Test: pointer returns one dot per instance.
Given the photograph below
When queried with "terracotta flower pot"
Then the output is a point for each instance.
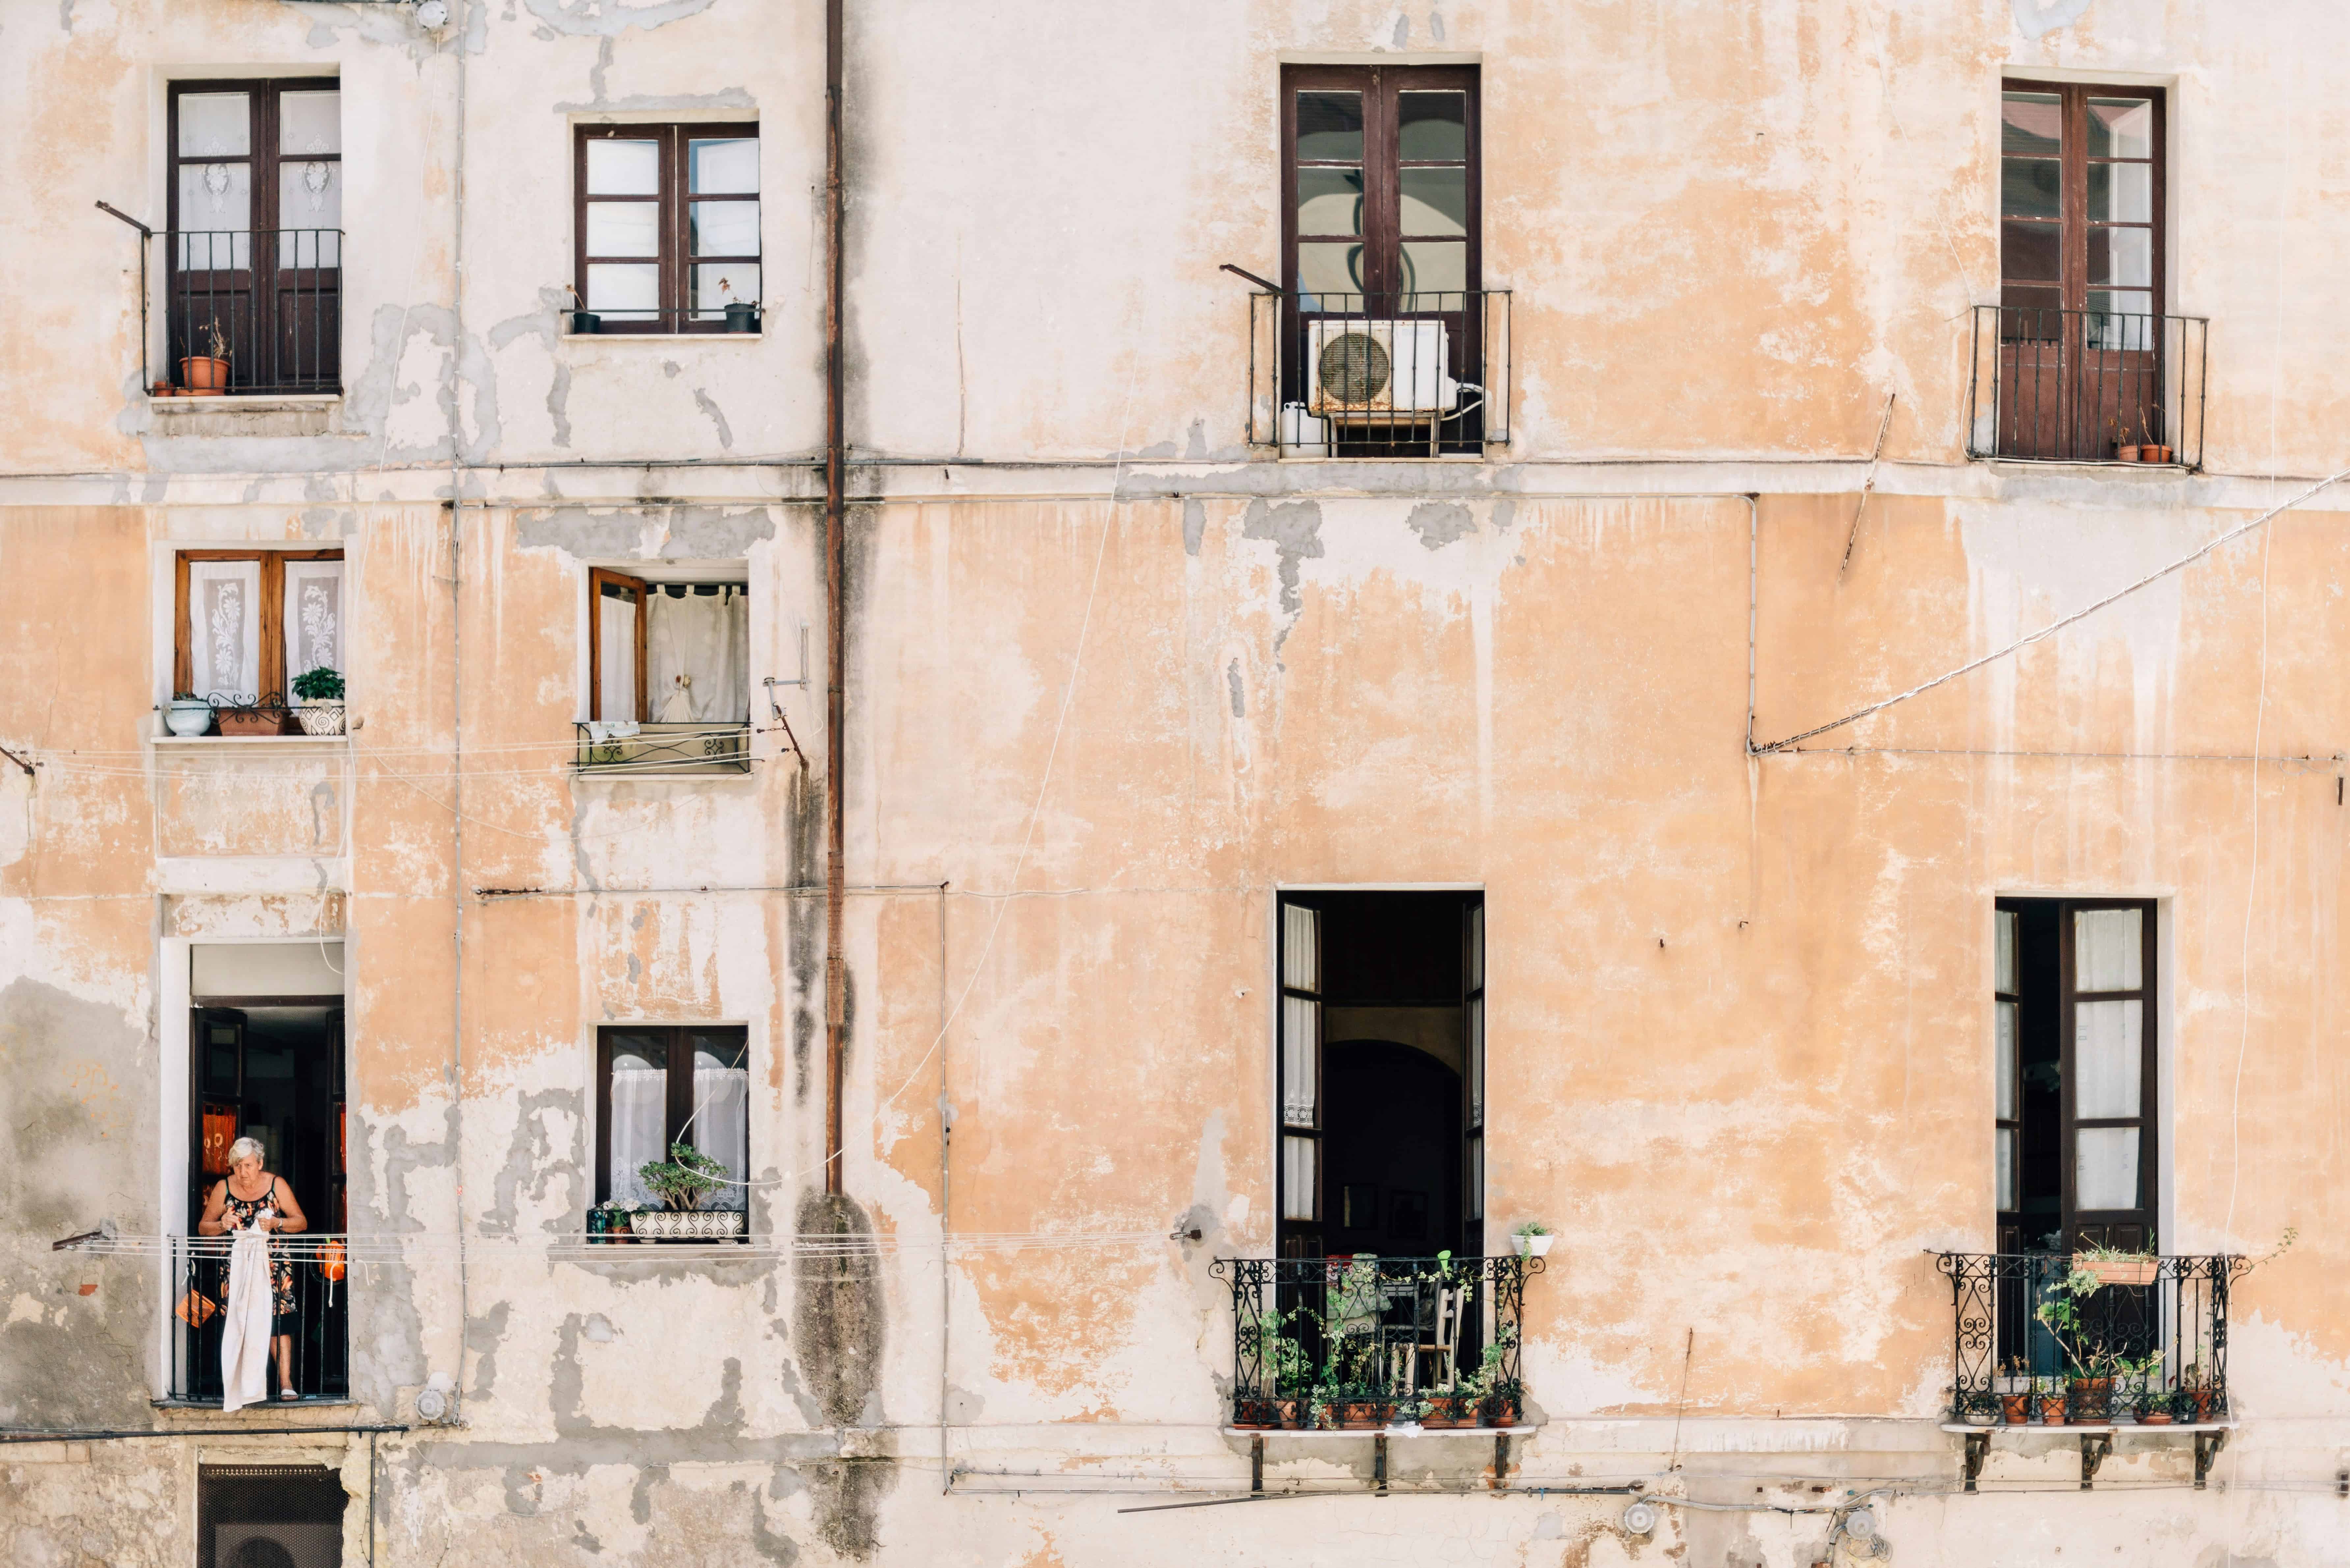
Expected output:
(2131, 1270)
(251, 721)
(2126, 453)
(202, 373)
(2154, 454)
(2052, 1409)
(2015, 1409)
(2155, 1418)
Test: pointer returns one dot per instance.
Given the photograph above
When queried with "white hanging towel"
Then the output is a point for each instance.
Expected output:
(244, 1324)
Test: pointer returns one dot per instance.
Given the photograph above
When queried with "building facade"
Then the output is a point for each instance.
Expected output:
(1711, 628)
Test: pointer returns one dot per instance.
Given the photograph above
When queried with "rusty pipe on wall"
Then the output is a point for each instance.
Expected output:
(835, 528)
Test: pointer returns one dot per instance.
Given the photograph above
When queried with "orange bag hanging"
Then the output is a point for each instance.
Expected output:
(196, 1308)
(334, 1262)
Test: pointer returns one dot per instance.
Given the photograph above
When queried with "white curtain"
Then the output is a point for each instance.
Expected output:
(616, 627)
(314, 617)
(721, 1125)
(224, 629)
(697, 652)
(639, 1126)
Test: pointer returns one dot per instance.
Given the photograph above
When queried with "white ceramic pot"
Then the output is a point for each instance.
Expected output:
(188, 718)
(693, 1225)
(320, 718)
(1532, 1246)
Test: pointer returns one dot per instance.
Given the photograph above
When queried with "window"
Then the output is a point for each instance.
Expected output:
(667, 227)
(248, 621)
(2074, 1118)
(660, 1087)
(255, 252)
(669, 653)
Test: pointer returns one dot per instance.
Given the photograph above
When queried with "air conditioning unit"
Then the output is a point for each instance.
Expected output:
(277, 1545)
(1360, 370)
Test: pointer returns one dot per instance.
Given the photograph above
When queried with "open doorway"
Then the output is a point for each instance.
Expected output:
(1382, 1074)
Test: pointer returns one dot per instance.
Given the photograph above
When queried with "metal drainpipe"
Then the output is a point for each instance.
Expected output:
(835, 522)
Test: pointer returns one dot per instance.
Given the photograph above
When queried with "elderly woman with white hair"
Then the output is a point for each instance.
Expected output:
(249, 1197)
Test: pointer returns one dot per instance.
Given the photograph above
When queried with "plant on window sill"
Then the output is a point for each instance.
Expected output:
(682, 1180)
(321, 691)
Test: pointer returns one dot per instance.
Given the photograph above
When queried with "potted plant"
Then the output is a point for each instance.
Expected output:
(2140, 1392)
(2050, 1400)
(583, 320)
(1532, 1239)
(2016, 1399)
(682, 1180)
(206, 374)
(186, 715)
(2154, 454)
(2202, 1394)
(321, 691)
(741, 315)
(2111, 1266)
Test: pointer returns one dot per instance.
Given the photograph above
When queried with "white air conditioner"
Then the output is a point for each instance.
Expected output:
(276, 1546)
(1377, 370)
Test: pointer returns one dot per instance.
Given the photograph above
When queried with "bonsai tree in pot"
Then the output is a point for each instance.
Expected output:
(683, 1179)
(321, 691)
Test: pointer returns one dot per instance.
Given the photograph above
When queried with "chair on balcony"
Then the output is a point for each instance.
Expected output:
(1435, 1337)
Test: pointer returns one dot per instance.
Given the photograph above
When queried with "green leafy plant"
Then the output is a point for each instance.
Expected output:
(684, 1179)
(1531, 1228)
(323, 684)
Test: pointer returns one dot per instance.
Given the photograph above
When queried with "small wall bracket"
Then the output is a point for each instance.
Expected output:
(1256, 1466)
(1978, 1451)
(1500, 1460)
(803, 681)
(1379, 1464)
(2097, 1447)
(2207, 1449)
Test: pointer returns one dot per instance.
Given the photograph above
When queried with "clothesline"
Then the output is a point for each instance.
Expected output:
(426, 1246)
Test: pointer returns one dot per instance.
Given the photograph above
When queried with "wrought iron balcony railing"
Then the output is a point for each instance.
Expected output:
(196, 1273)
(1423, 373)
(1368, 1343)
(251, 312)
(608, 747)
(2085, 386)
(735, 317)
(2058, 1339)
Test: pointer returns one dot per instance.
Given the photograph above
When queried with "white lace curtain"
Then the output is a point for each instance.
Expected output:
(697, 653)
(640, 1128)
(314, 617)
(721, 1125)
(224, 629)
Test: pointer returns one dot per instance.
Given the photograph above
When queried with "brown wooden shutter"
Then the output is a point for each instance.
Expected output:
(2105, 951)
(1299, 1177)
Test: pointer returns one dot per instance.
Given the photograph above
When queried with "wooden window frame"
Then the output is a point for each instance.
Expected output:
(2072, 222)
(1382, 165)
(598, 578)
(1303, 1237)
(679, 1089)
(672, 227)
(271, 632)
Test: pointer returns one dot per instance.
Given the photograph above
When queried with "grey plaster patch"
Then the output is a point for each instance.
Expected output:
(1295, 530)
(709, 405)
(328, 521)
(670, 368)
(839, 1310)
(599, 1330)
(726, 1412)
(523, 1490)
(322, 36)
(580, 532)
(609, 18)
(1240, 696)
(716, 534)
(1435, 25)
(584, 1541)
(1439, 523)
(767, 1541)
(533, 1160)
(1505, 511)
(558, 402)
(1195, 525)
(1196, 449)
(1403, 33)
(2038, 18)
(65, 16)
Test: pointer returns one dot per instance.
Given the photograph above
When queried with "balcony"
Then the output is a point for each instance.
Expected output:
(623, 746)
(1366, 1343)
(1416, 375)
(196, 1273)
(2089, 1344)
(2085, 386)
(251, 313)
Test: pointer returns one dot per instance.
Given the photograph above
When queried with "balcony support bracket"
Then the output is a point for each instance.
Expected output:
(1500, 1460)
(1256, 1466)
(1379, 1464)
(2206, 1450)
(2095, 1449)
(1978, 1451)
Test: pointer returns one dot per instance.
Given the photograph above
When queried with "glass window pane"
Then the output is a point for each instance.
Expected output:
(2027, 188)
(2109, 946)
(1432, 125)
(1474, 1179)
(1329, 200)
(639, 1102)
(717, 285)
(1330, 127)
(624, 228)
(2005, 981)
(720, 1126)
(2006, 1069)
(215, 124)
(2121, 128)
(2030, 123)
(2119, 320)
(623, 289)
(1301, 933)
(1473, 1077)
(2108, 1057)
(1435, 265)
(2104, 1168)
(1435, 200)
(722, 228)
(309, 206)
(623, 167)
(215, 214)
(728, 168)
(2030, 252)
(2124, 256)
(2121, 193)
(2007, 1169)
(1300, 1035)
(1331, 268)
(310, 122)
(1298, 1178)
(1477, 947)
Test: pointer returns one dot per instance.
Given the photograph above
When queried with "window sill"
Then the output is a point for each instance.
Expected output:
(2081, 465)
(271, 1405)
(243, 402)
(230, 743)
(662, 337)
(1520, 1430)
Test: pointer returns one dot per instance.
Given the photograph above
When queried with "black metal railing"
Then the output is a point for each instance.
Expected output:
(716, 319)
(1424, 373)
(2087, 386)
(251, 311)
(197, 1269)
(1364, 1342)
(606, 747)
(2056, 1339)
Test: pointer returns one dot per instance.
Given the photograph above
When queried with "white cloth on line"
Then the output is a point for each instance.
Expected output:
(698, 652)
(246, 1322)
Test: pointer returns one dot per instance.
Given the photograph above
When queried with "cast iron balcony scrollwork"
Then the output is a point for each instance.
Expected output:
(1366, 1342)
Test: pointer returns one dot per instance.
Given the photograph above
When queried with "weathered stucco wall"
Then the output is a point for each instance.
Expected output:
(1114, 681)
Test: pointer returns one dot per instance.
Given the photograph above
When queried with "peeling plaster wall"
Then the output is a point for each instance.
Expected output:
(1112, 684)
